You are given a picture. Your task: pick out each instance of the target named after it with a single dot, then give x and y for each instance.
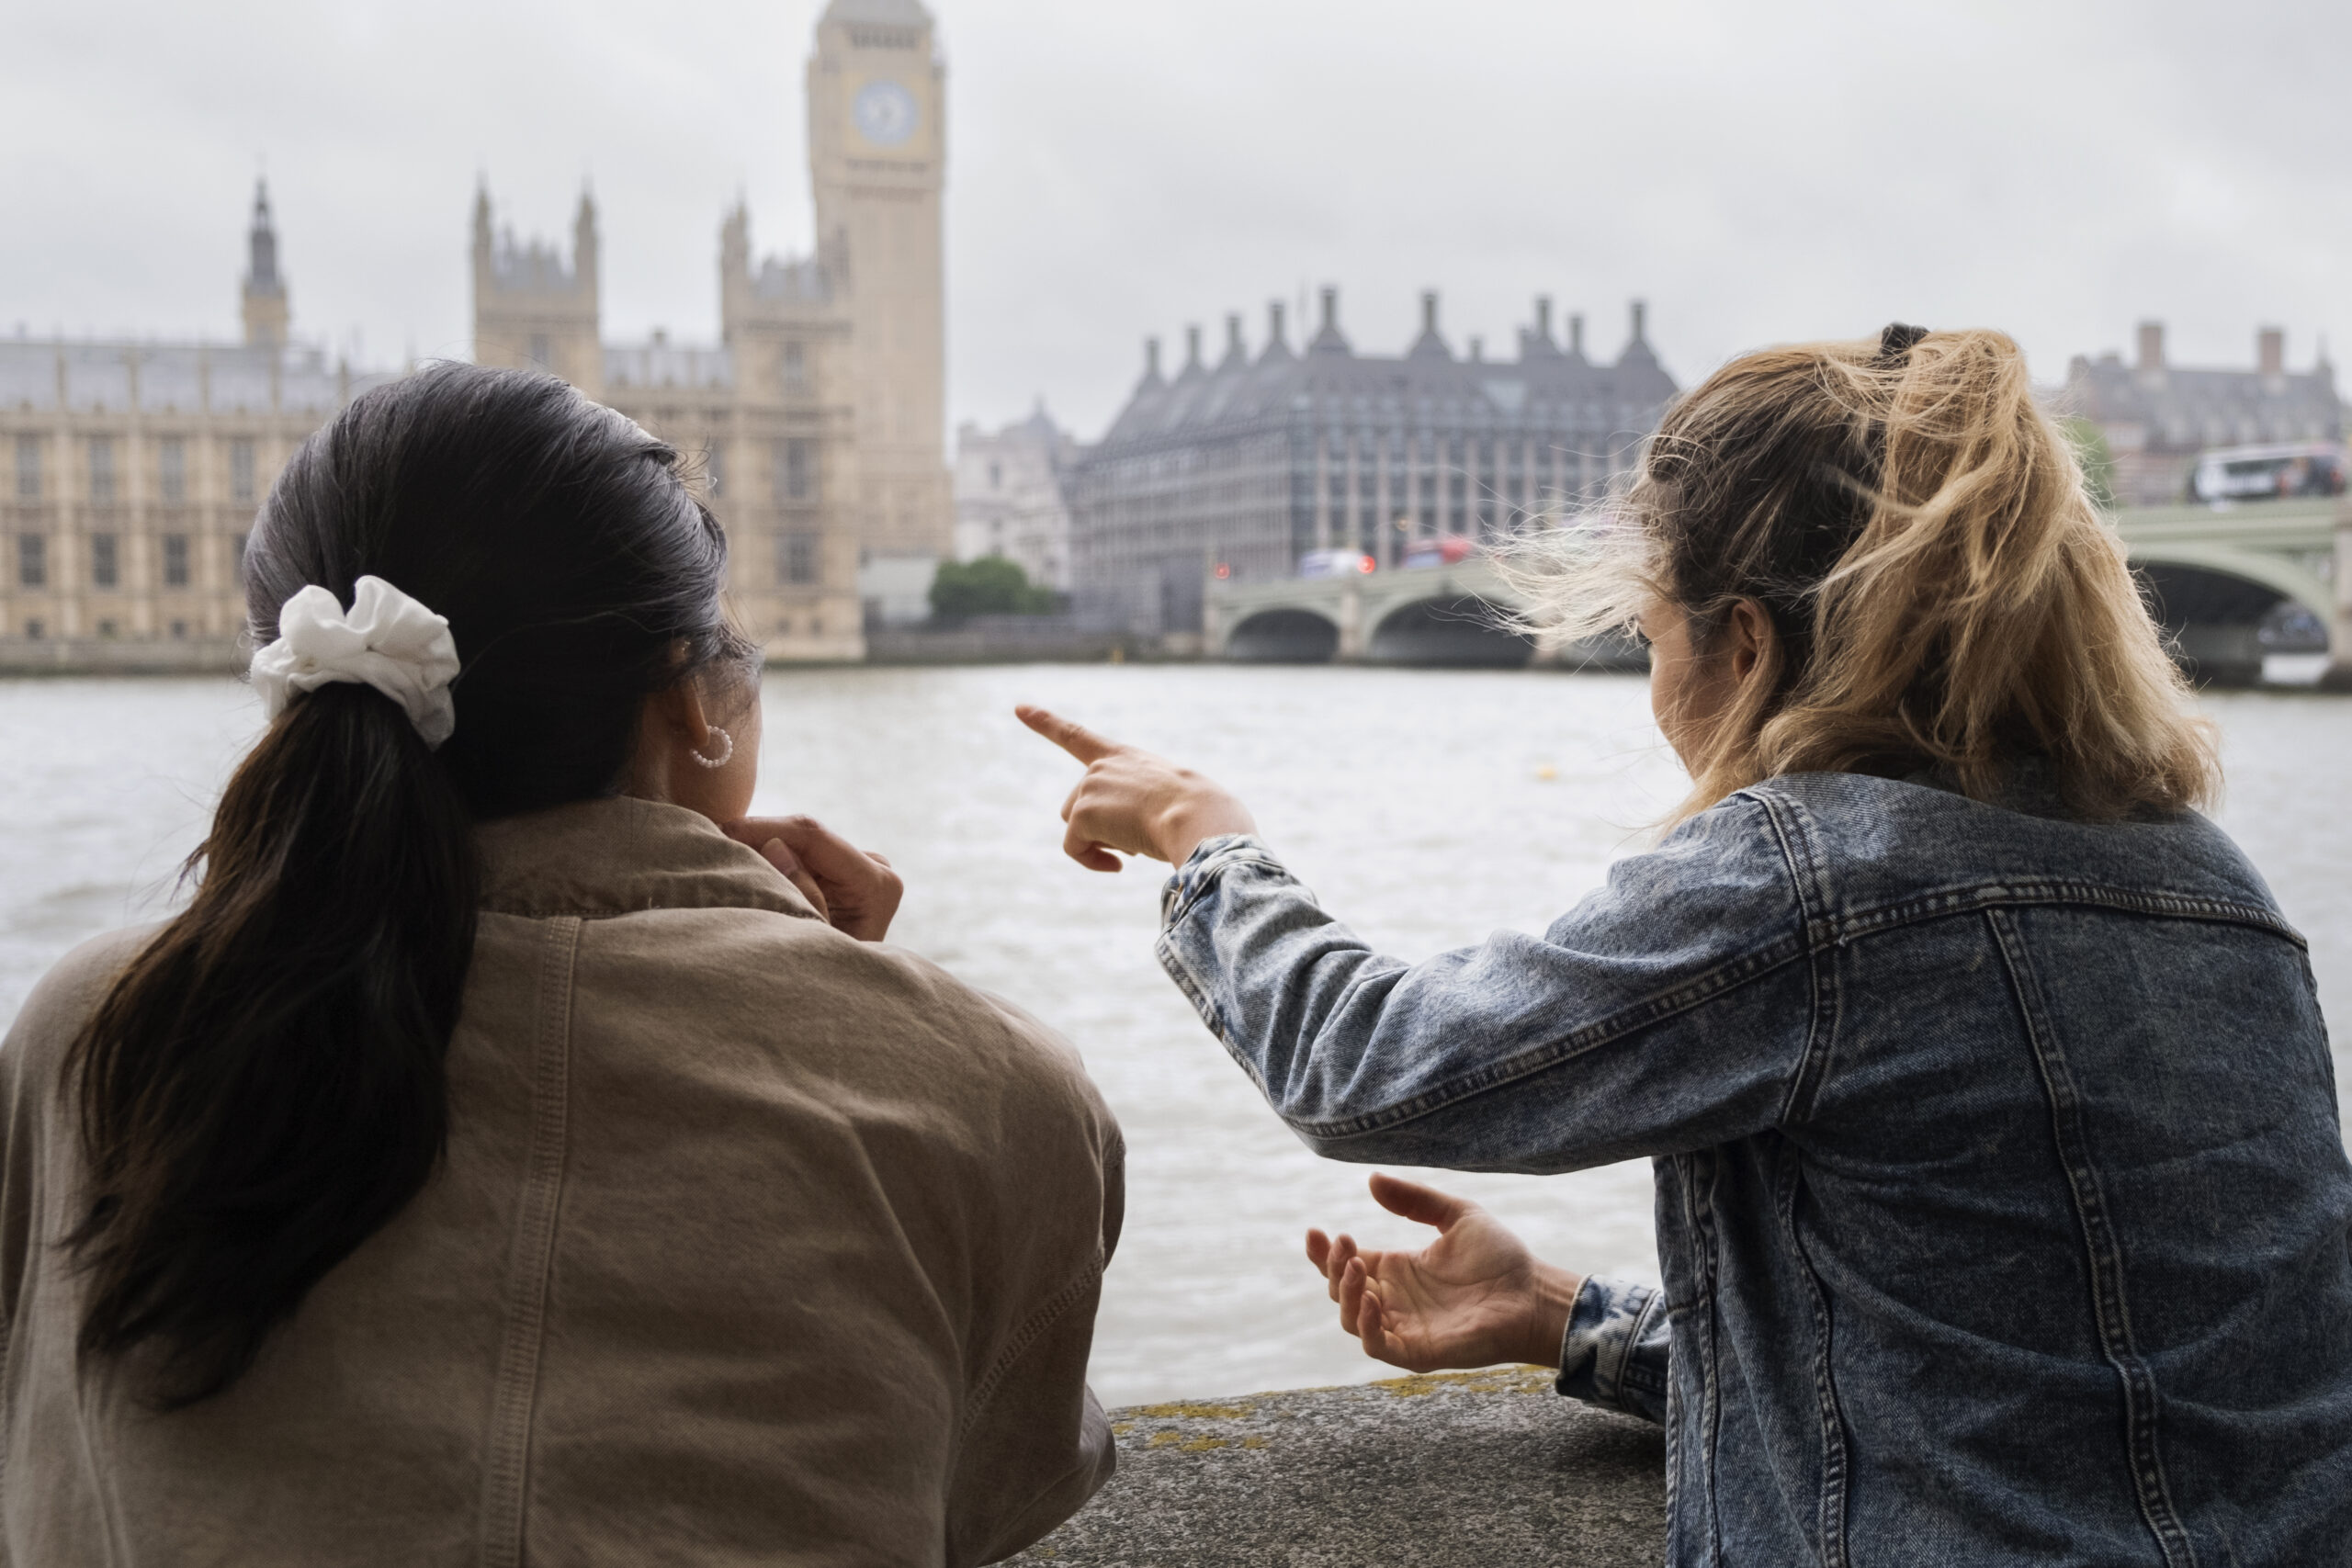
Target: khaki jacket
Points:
(753, 1244)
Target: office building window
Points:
(35, 629)
(101, 469)
(796, 366)
(797, 557)
(176, 560)
(241, 472)
(106, 561)
(795, 470)
(33, 560)
(171, 468)
(27, 468)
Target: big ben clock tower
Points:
(877, 149)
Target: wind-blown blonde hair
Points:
(1945, 594)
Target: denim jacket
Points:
(2002, 1203)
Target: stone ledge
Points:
(1453, 1468)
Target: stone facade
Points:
(130, 473)
(2156, 417)
(1240, 469)
(817, 419)
(1009, 498)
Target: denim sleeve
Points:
(1614, 1353)
(1667, 1011)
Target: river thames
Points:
(1426, 807)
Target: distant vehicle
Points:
(1424, 553)
(1335, 563)
(2268, 473)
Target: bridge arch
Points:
(1284, 634)
(1451, 629)
(2216, 604)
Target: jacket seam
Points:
(1795, 842)
(1831, 1504)
(2043, 892)
(2103, 1252)
(1055, 1306)
(1724, 977)
(505, 1475)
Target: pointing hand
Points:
(1133, 802)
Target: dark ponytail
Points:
(264, 1088)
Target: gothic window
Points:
(796, 469)
(33, 560)
(241, 471)
(797, 557)
(27, 468)
(176, 560)
(171, 468)
(106, 561)
(101, 469)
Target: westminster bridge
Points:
(2230, 585)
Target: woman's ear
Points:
(1751, 637)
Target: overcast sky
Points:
(1119, 168)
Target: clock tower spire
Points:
(878, 151)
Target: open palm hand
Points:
(1472, 1297)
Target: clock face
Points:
(884, 113)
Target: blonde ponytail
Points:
(1944, 593)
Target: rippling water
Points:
(1426, 807)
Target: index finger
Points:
(1075, 739)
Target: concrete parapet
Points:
(1471, 1469)
(113, 656)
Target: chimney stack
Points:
(1543, 317)
(1275, 324)
(1640, 311)
(1192, 348)
(1330, 308)
(1151, 358)
(1233, 332)
(1576, 334)
(1428, 309)
(2152, 345)
(2270, 345)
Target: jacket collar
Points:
(598, 858)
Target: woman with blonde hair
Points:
(2002, 1203)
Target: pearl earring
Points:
(726, 749)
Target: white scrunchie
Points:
(387, 641)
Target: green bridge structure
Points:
(2230, 584)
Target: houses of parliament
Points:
(130, 470)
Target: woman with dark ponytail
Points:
(514, 1152)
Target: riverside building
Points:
(818, 417)
(1008, 499)
(1246, 467)
(129, 472)
(2156, 416)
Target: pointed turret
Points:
(265, 312)
(1277, 340)
(1237, 353)
(1638, 354)
(1431, 345)
(1537, 343)
(1194, 369)
(1329, 340)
